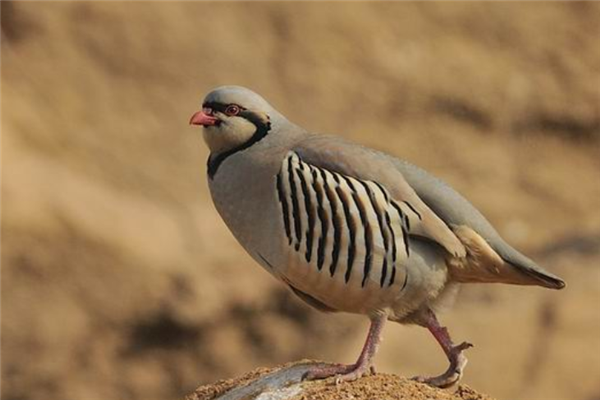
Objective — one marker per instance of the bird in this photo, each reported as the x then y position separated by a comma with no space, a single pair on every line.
349,228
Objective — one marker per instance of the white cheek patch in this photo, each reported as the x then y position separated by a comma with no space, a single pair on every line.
231,133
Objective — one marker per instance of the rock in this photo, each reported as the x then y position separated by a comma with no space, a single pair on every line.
285,383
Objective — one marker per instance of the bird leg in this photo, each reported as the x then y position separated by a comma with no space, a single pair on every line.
364,364
454,353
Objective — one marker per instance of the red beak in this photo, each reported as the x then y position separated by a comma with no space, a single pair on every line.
200,118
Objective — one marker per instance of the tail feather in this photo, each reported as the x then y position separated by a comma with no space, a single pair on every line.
528,267
497,262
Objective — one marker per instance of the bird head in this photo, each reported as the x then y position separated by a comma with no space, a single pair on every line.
231,115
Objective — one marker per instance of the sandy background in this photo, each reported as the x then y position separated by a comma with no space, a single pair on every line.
119,280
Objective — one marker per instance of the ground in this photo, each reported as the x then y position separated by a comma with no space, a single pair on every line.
378,386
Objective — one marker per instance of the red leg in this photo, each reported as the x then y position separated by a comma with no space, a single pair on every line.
364,363
454,353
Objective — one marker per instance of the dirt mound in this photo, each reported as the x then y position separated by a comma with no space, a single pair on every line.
284,383
119,280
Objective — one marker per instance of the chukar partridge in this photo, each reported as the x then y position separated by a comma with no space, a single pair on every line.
348,228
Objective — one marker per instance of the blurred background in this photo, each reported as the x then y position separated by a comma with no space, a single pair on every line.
120,281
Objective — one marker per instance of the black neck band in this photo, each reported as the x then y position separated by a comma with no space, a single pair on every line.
215,160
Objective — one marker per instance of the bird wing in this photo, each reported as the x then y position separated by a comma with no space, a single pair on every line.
348,159
503,262
444,216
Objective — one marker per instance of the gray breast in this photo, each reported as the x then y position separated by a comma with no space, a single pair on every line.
244,194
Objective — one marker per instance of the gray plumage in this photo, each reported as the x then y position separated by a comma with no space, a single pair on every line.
349,228
455,210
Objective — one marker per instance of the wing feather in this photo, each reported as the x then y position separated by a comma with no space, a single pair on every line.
354,161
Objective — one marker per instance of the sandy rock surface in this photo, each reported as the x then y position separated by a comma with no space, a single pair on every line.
285,383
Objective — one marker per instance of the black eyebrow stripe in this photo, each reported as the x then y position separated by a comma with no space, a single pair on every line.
221,107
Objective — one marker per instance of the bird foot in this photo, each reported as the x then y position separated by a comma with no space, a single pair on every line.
364,364
458,361
342,372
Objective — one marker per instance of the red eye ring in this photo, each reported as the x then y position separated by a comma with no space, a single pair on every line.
232,110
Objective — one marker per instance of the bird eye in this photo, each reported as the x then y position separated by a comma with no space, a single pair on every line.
232,110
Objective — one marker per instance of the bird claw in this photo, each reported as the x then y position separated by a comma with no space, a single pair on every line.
442,381
323,372
342,373
362,366
461,347
455,371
